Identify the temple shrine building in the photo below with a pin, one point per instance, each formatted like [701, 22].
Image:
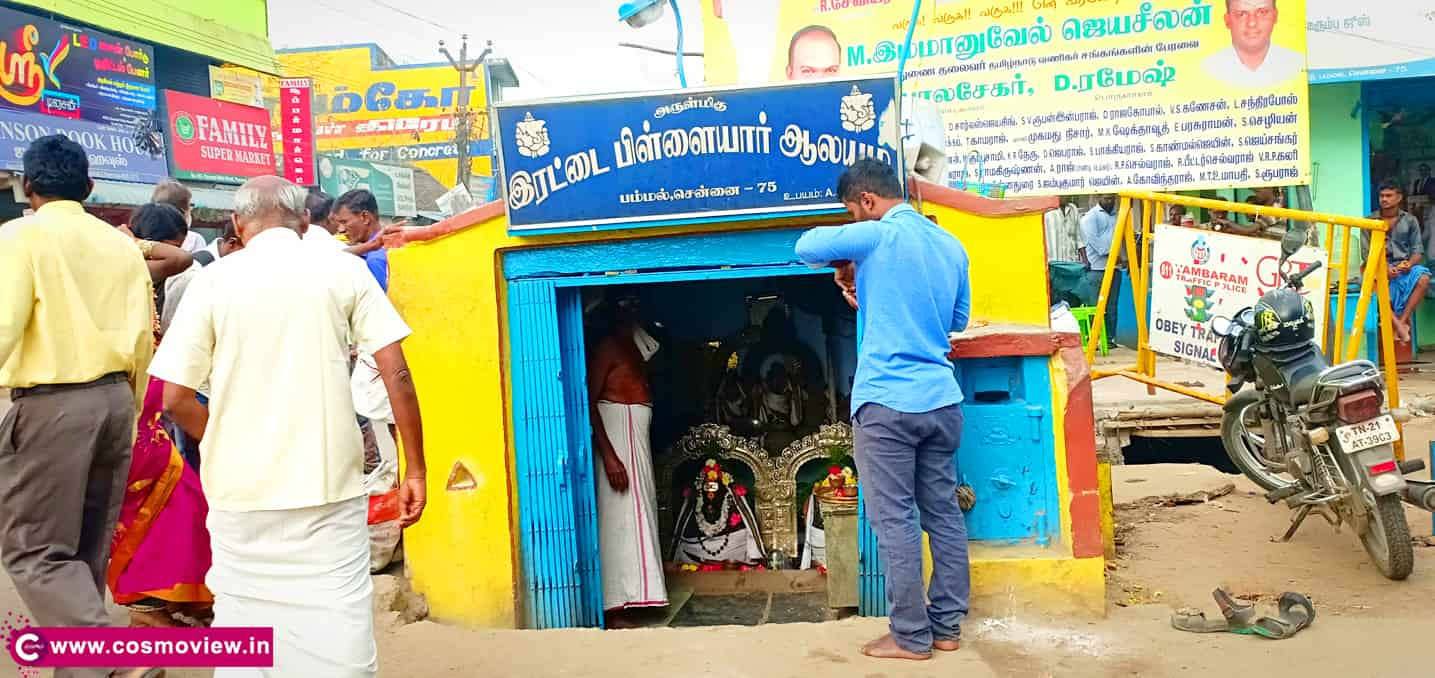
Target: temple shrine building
[691, 203]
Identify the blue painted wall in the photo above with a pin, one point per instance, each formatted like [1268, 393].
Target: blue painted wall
[745, 248]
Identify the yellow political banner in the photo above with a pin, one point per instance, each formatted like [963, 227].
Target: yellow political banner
[1050, 97]
[368, 108]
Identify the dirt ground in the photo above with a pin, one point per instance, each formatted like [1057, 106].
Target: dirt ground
[1170, 557]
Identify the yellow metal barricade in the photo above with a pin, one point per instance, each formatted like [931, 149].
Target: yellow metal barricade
[1338, 231]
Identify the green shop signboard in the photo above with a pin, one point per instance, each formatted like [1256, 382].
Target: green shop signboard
[392, 186]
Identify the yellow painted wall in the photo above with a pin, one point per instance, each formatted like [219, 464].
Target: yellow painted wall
[1008, 260]
[463, 554]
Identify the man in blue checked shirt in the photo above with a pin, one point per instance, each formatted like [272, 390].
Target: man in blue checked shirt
[909, 277]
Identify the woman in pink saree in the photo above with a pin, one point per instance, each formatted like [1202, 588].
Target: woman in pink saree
[160, 553]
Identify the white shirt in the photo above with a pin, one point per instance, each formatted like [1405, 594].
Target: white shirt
[1280, 66]
[193, 243]
[1063, 233]
[320, 234]
[268, 326]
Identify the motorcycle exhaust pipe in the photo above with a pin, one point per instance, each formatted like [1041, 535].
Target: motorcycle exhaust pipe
[1419, 493]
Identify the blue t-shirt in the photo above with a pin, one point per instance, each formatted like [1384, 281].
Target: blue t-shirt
[378, 262]
[913, 289]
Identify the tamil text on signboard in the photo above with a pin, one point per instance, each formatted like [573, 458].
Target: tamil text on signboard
[297, 123]
[216, 140]
[77, 73]
[1198, 275]
[1370, 41]
[692, 155]
[1053, 97]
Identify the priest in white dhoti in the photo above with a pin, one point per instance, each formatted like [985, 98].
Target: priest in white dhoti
[716, 527]
[281, 458]
[632, 564]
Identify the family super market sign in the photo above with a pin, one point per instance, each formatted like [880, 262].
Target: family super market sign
[690, 155]
[217, 141]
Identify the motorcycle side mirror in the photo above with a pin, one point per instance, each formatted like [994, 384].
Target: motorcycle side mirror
[1221, 325]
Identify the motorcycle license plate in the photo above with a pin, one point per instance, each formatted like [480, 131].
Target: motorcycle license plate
[1367, 434]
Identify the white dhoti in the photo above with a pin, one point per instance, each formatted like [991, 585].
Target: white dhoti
[736, 546]
[814, 540]
[628, 522]
[304, 572]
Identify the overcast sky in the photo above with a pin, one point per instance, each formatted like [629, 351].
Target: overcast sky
[557, 47]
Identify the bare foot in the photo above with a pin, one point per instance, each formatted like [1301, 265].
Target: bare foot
[886, 648]
[948, 645]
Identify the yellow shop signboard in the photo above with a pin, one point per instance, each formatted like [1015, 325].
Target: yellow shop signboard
[368, 108]
[1052, 97]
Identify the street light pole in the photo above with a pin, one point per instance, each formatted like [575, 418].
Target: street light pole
[463, 127]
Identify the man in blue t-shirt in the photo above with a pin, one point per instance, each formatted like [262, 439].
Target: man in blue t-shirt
[357, 215]
[909, 278]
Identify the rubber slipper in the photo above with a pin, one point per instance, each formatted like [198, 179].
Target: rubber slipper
[1195, 621]
[1296, 613]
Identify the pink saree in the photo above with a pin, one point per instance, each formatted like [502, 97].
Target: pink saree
[161, 546]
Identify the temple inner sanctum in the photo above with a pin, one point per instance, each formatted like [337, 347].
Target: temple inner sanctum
[750, 391]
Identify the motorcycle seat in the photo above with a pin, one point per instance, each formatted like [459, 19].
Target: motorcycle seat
[1302, 377]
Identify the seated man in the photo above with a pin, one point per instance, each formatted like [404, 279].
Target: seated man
[1409, 278]
[716, 527]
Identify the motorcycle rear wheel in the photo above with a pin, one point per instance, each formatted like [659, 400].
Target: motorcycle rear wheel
[1244, 446]
[1387, 538]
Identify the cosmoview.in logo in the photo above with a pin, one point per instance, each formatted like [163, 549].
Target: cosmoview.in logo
[32, 648]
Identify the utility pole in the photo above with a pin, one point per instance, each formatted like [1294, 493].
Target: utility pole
[463, 125]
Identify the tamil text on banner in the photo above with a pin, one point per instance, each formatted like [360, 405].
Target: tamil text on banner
[366, 107]
[1199, 275]
[115, 151]
[92, 87]
[693, 155]
[392, 186]
[296, 122]
[66, 71]
[227, 84]
[1370, 41]
[1059, 96]
[217, 141]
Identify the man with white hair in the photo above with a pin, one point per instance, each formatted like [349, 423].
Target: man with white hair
[282, 462]
[1251, 60]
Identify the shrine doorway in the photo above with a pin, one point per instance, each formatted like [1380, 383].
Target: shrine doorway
[714, 319]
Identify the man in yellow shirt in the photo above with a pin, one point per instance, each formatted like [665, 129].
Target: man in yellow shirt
[76, 336]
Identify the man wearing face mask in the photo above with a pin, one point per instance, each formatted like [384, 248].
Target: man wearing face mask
[627, 501]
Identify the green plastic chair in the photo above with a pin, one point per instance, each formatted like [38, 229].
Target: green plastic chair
[1084, 316]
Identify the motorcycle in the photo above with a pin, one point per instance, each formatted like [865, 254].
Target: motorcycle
[1315, 435]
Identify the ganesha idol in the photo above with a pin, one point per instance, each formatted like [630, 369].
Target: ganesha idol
[716, 528]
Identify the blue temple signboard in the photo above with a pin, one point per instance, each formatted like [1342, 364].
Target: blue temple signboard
[693, 155]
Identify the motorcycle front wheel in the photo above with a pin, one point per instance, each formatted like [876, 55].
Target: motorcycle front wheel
[1244, 444]
[1387, 538]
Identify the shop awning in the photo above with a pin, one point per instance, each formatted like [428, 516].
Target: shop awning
[122, 193]
[242, 40]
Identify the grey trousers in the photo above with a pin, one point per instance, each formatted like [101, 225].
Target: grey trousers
[64, 461]
[906, 464]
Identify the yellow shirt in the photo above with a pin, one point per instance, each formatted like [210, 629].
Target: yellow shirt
[269, 326]
[76, 302]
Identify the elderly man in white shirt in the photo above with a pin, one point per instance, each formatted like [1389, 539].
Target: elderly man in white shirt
[1252, 61]
[282, 462]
